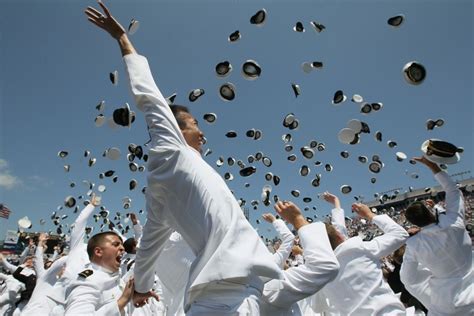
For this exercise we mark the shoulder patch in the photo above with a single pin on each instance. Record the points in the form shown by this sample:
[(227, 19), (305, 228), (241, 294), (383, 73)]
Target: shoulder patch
[(86, 273)]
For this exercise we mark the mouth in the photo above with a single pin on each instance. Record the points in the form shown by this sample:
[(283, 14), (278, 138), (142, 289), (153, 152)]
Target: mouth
[(119, 258)]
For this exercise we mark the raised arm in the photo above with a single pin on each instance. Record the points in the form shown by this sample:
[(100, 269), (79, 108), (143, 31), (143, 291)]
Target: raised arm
[(109, 24), (29, 250), (320, 265), (10, 267), (394, 235), (286, 236), (38, 261), (137, 227), (78, 232), (337, 213), (455, 209), (162, 125)]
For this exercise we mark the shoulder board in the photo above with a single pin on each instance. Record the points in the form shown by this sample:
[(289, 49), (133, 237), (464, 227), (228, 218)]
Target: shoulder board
[(86, 273)]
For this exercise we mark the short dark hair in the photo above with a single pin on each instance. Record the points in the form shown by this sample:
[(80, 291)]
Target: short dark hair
[(332, 235), (97, 240), (177, 109), (129, 244), (418, 214)]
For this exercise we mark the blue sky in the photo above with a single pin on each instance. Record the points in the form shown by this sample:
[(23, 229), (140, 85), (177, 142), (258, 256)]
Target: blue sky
[(55, 67)]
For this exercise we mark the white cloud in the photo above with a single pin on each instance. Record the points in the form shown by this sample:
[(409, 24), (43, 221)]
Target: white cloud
[(3, 164), (7, 180)]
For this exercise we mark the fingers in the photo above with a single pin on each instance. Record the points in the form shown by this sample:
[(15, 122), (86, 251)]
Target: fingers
[(93, 13), (155, 296), (106, 10), (96, 23), (278, 207)]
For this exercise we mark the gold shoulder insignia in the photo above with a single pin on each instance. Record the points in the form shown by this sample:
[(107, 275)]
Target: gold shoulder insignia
[(86, 273)]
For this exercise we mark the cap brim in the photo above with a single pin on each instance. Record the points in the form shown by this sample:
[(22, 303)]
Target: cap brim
[(436, 159)]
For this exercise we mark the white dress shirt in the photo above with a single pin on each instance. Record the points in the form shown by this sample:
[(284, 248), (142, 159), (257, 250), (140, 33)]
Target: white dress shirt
[(280, 297), (287, 240), (40, 303), (77, 257), (359, 288), (187, 195), (95, 295), (10, 294), (437, 265)]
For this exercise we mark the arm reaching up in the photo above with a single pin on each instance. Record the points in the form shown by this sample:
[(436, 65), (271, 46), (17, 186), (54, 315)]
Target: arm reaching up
[(286, 236), (337, 213)]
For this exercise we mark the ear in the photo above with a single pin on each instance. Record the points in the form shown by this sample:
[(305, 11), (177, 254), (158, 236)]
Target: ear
[(98, 252)]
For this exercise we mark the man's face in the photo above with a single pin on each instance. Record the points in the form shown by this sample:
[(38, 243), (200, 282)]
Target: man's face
[(191, 132), (28, 263), (109, 254)]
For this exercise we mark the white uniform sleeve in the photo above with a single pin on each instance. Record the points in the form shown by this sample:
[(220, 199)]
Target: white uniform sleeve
[(455, 209), (10, 267), (38, 261), (24, 254), (155, 235), (138, 231), (320, 267), (55, 255), (162, 125), (84, 299), (287, 239), (338, 221), (415, 277), (393, 238), (78, 232)]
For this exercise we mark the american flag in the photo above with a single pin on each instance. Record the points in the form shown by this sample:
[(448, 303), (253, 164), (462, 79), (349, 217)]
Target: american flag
[(4, 211)]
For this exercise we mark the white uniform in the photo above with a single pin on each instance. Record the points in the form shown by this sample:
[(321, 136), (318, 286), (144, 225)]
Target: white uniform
[(40, 303), (280, 297), (359, 288), (10, 294), (187, 195), (287, 239), (437, 265), (76, 261), (96, 294), (172, 267)]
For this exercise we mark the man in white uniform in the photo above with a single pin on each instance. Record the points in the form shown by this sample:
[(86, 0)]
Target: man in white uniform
[(98, 289), (359, 288), (320, 266), (187, 195), (437, 265)]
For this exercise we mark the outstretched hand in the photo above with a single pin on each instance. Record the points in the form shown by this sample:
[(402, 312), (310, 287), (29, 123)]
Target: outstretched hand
[(106, 22), (140, 299), (332, 199), (269, 217), (290, 213), (433, 166), (363, 211)]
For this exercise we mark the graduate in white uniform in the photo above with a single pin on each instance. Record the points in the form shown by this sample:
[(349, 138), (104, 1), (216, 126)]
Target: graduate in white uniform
[(359, 288), (437, 264), (187, 195), (53, 298), (99, 289), (26, 274), (9, 293), (320, 266), (39, 303)]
